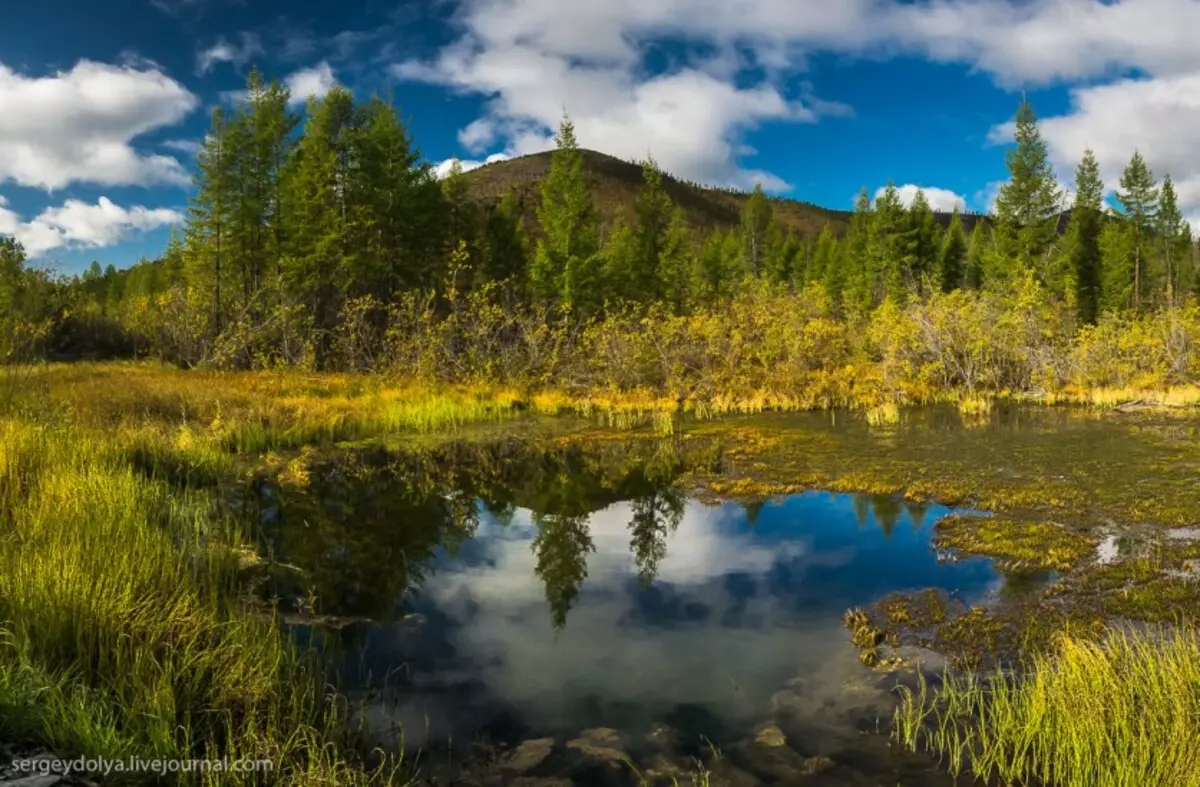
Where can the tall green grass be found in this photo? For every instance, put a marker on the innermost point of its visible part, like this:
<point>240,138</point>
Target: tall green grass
<point>121,631</point>
<point>1123,712</point>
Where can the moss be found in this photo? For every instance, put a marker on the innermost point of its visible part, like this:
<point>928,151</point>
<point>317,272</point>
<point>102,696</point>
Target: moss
<point>1019,544</point>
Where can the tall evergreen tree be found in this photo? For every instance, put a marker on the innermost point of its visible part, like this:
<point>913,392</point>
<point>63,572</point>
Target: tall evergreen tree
<point>653,211</point>
<point>505,244</point>
<point>1027,206</point>
<point>757,218</point>
<point>1138,196</point>
<point>951,266</point>
<point>1175,240</point>
<point>566,268</point>
<point>208,216</point>
<point>676,263</point>
<point>887,275</point>
<point>920,243</point>
<point>973,275</point>
<point>1083,238</point>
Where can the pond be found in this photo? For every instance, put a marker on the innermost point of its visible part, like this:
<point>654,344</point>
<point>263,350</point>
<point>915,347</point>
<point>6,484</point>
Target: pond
<point>575,615</point>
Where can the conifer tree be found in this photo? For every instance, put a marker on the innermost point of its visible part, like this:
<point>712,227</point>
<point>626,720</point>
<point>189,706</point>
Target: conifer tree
<point>208,216</point>
<point>1117,244</point>
<point>973,275</point>
<point>653,211</point>
<point>850,275</point>
<point>1175,240</point>
<point>1138,196</point>
<point>1083,238</point>
<point>566,268</point>
<point>920,243</point>
<point>320,212</point>
<point>889,248</point>
<point>757,217</point>
<point>1027,206</point>
<point>505,244</point>
<point>824,255</point>
<point>952,255</point>
<point>676,263</point>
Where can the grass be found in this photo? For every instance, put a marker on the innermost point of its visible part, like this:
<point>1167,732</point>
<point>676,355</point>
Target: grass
<point>120,629</point>
<point>1119,712</point>
<point>1019,544</point>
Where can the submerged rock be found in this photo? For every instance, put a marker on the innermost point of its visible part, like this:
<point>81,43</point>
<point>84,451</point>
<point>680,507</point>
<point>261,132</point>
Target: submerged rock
<point>663,737</point>
<point>770,735</point>
<point>601,743</point>
<point>527,756</point>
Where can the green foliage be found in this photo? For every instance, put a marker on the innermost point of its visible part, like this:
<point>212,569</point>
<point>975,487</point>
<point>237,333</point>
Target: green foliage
<point>952,257</point>
<point>567,269</point>
<point>1086,261</point>
<point>1028,204</point>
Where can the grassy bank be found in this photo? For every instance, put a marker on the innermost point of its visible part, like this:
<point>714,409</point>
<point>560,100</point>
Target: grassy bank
<point>120,629</point>
<point>123,627</point>
<point>1119,712</point>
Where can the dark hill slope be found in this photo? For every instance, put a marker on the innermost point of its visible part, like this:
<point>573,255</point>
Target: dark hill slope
<point>615,185</point>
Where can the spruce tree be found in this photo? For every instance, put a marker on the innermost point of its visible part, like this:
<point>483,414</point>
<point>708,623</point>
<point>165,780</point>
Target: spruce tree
<point>973,275</point>
<point>1027,206</point>
<point>849,274</point>
<point>1175,240</point>
<point>757,217</point>
<point>566,268</point>
<point>1083,238</point>
<point>951,266</point>
<point>1138,196</point>
<point>676,263</point>
<point>920,243</point>
<point>823,256</point>
<point>505,244</point>
<point>653,211</point>
<point>887,274</point>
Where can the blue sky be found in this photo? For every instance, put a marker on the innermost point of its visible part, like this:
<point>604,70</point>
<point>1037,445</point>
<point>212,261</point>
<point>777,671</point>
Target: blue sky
<point>101,103</point>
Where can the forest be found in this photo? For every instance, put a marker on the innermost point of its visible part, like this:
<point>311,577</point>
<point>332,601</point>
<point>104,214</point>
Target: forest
<point>328,244</point>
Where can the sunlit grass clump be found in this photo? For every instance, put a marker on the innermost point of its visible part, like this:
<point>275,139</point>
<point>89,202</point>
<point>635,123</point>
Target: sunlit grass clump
<point>1121,712</point>
<point>1020,544</point>
<point>121,630</point>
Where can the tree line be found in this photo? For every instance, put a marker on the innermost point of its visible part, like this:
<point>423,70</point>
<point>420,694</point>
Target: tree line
<point>303,231</point>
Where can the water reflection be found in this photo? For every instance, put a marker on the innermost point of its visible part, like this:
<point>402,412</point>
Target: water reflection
<point>578,586</point>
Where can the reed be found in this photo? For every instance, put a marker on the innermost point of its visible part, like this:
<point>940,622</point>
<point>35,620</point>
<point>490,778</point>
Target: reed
<point>1120,712</point>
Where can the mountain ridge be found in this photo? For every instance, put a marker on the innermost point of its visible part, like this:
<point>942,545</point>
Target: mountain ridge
<point>615,185</point>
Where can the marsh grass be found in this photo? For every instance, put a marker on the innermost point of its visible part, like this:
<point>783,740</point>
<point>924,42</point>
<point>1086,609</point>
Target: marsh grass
<point>120,626</point>
<point>1120,712</point>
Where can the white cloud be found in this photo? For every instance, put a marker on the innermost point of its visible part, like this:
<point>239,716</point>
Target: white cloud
<point>224,51</point>
<point>308,83</point>
<point>77,224</point>
<point>1158,116</point>
<point>942,200</point>
<point>191,146</point>
<point>78,125</point>
<point>442,168</point>
<point>533,57</point>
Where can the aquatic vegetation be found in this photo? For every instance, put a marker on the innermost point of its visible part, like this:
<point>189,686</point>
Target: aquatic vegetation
<point>1120,711</point>
<point>883,414</point>
<point>1020,544</point>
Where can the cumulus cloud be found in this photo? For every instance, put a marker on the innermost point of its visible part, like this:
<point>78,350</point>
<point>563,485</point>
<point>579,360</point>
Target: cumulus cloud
<point>225,51</point>
<point>79,125</point>
<point>77,224</point>
<point>942,200</point>
<point>312,82</point>
<point>532,58</point>
<point>442,168</point>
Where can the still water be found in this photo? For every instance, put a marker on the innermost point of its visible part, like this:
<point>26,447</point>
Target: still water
<point>597,601</point>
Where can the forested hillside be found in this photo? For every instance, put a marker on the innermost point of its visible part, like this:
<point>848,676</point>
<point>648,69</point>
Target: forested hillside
<point>326,243</point>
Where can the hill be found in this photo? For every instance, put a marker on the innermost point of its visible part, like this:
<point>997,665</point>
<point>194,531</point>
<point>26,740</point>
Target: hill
<point>616,183</point>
